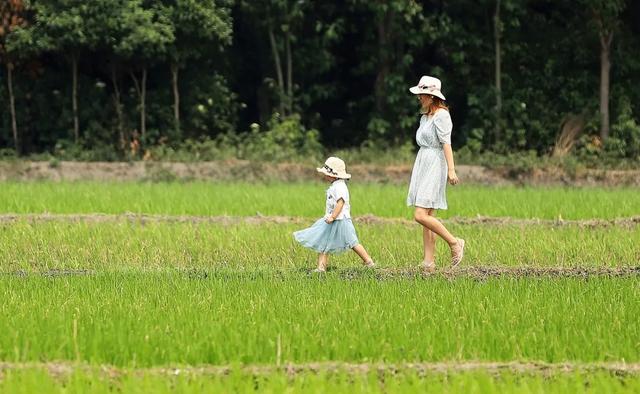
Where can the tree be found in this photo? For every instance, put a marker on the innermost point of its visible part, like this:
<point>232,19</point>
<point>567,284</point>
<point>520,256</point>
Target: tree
<point>398,31</point>
<point>605,16</point>
<point>497,36</point>
<point>11,18</point>
<point>281,21</point>
<point>146,35</point>
<point>197,25</point>
<point>281,18</point>
<point>71,28</point>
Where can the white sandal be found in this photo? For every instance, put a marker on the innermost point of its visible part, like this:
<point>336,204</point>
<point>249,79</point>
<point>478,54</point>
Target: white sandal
<point>456,256</point>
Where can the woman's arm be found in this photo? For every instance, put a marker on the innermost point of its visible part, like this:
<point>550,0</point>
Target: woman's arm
<point>336,211</point>
<point>448,155</point>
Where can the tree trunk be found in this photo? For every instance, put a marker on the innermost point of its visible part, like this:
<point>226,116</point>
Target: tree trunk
<point>384,63</point>
<point>141,89</point>
<point>118,106</point>
<point>276,59</point>
<point>74,98</point>
<point>497,35</point>
<point>176,97</point>
<point>289,72</point>
<point>605,67</point>
<point>12,107</point>
<point>143,102</point>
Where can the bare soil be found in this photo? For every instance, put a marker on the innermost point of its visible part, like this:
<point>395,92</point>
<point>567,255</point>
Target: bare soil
<point>235,170</point>
<point>487,272</point>
<point>62,369</point>
<point>476,272</point>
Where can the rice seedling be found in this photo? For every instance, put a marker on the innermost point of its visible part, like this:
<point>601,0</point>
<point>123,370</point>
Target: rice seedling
<point>307,199</point>
<point>128,294</point>
<point>158,318</point>
<point>122,244</point>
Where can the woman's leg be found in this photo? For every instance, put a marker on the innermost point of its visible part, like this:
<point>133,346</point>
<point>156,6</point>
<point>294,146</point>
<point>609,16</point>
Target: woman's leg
<point>423,217</point>
<point>361,251</point>
<point>429,238</point>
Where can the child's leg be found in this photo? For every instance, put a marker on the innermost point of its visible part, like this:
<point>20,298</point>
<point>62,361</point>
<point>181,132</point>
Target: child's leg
<point>361,251</point>
<point>323,261</point>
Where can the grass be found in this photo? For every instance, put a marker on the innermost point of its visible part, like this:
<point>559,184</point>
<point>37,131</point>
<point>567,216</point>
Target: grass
<point>35,380</point>
<point>152,318</point>
<point>121,244</point>
<point>307,200</point>
<point>132,295</point>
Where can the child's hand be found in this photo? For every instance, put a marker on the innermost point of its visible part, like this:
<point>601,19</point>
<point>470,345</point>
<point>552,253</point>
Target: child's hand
<point>329,220</point>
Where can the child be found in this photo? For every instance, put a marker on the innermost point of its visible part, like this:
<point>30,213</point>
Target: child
<point>334,233</point>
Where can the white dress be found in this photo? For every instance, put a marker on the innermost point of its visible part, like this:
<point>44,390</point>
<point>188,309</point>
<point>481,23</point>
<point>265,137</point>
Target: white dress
<point>429,176</point>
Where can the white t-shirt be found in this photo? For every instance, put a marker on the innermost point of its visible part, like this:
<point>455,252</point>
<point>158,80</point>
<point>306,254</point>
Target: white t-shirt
<point>338,190</point>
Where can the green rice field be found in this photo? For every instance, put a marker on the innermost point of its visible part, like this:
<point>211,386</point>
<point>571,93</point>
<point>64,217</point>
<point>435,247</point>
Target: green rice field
<point>307,200</point>
<point>199,287</point>
<point>126,245</point>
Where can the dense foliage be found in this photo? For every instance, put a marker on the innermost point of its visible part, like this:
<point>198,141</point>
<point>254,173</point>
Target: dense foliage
<point>118,79</point>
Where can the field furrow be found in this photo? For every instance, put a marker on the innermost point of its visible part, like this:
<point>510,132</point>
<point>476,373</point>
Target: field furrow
<point>60,369</point>
<point>365,219</point>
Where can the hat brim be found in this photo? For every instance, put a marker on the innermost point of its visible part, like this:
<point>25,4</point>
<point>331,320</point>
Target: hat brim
<point>418,90</point>
<point>339,176</point>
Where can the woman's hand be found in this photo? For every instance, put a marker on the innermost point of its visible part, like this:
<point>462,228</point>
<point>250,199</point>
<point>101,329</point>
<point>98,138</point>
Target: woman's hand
<point>329,220</point>
<point>453,177</point>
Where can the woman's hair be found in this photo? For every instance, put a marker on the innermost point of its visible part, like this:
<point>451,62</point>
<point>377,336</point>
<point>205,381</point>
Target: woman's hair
<point>436,104</point>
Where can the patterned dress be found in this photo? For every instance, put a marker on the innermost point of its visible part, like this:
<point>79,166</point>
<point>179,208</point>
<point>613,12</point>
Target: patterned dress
<point>429,176</point>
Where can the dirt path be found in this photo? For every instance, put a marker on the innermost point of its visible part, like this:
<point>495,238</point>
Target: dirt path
<point>487,272</point>
<point>365,219</point>
<point>63,369</point>
<point>477,272</point>
<point>235,170</point>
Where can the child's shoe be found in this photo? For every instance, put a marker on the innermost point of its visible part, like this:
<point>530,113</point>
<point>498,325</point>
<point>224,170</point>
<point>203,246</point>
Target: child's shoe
<point>370,264</point>
<point>319,270</point>
<point>428,267</point>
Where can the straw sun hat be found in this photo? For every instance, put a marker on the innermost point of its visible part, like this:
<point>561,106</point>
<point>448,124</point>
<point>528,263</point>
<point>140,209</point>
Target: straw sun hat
<point>334,167</point>
<point>428,85</point>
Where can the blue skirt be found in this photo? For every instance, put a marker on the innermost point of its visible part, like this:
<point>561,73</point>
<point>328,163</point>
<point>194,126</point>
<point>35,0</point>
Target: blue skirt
<point>322,237</point>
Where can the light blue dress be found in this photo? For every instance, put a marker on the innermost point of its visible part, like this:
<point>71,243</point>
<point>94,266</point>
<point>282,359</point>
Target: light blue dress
<point>340,235</point>
<point>429,176</point>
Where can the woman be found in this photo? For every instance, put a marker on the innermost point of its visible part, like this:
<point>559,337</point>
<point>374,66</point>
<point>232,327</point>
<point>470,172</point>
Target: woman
<point>433,167</point>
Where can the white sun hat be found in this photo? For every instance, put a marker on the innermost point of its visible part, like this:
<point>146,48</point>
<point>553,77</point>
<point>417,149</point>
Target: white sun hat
<point>428,85</point>
<point>334,167</point>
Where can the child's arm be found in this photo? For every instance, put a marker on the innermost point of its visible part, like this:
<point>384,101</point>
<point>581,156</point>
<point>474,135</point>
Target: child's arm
<point>336,211</point>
